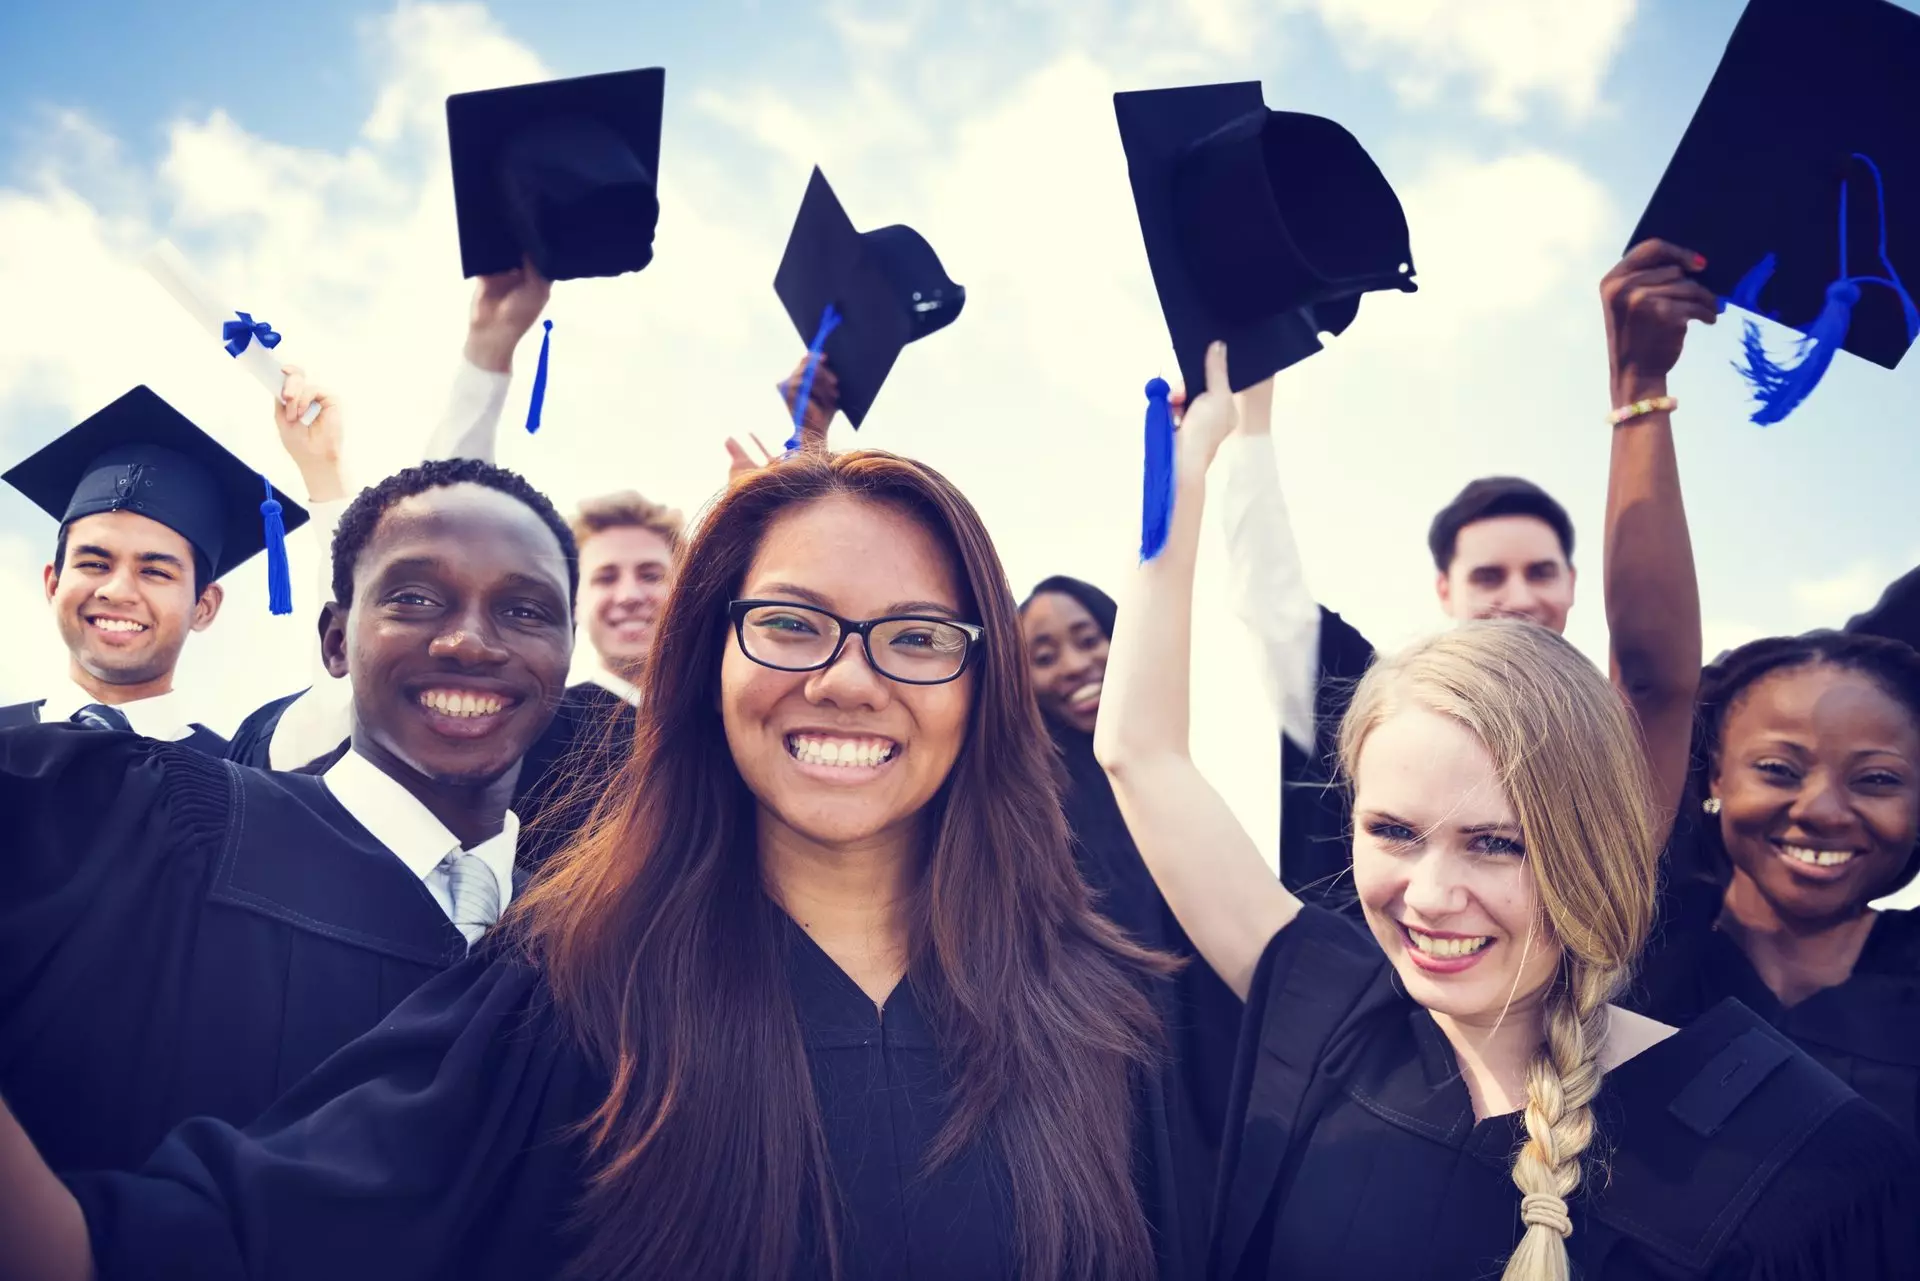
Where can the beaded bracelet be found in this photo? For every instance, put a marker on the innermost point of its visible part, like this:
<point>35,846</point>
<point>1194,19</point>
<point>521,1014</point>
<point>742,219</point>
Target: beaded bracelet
<point>1641,408</point>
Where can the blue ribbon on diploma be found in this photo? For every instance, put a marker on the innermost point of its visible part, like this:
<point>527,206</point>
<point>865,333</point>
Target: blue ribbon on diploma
<point>238,333</point>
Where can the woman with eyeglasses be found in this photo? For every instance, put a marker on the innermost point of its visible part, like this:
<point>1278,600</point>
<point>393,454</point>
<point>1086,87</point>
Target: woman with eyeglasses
<point>820,994</point>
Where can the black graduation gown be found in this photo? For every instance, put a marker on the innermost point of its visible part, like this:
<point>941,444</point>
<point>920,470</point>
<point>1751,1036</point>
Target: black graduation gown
<point>568,768</point>
<point>1866,1031</point>
<point>584,744</point>
<point>1202,1015</point>
<point>457,1114</point>
<point>181,937</point>
<point>200,739</point>
<point>1316,823</point>
<point>1896,615</point>
<point>1727,1152</point>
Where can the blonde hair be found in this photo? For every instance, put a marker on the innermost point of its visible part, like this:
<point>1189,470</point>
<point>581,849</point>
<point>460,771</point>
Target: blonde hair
<point>1572,762</point>
<point>628,510</point>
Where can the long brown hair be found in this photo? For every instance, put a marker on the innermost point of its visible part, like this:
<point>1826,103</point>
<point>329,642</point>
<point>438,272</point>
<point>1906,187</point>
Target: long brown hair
<point>665,958</point>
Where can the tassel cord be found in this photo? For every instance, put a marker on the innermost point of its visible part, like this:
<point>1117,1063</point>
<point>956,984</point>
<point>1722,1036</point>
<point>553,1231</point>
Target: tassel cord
<point>829,321</point>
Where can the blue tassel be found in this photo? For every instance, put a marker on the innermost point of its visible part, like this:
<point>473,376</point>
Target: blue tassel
<point>1746,294</point>
<point>279,574</point>
<point>829,321</point>
<point>538,400</point>
<point>1156,496</point>
<point>1779,386</point>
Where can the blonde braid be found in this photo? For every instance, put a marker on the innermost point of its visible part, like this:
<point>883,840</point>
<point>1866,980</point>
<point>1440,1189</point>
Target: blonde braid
<point>1561,1084</point>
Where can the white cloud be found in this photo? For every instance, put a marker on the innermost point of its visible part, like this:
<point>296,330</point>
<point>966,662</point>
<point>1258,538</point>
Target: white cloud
<point>1508,51</point>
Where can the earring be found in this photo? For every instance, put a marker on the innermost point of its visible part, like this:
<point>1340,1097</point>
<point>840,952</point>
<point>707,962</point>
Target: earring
<point>1711,805</point>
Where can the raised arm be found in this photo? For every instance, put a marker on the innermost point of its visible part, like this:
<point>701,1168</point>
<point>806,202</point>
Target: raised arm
<point>504,309</point>
<point>1652,595</point>
<point>1206,866</point>
<point>1266,583</point>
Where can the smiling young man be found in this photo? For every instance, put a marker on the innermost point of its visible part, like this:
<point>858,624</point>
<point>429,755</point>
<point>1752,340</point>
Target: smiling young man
<point>181,936</point>
<point>152,511</point>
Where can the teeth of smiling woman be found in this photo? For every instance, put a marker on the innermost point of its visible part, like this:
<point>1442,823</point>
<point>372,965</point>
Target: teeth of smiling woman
<point>118,625</point>
<point>1085,696</point>
<point>449,702</point>
<point>1446,949</point>
<point>866,752</point>
<point>1817,858</point>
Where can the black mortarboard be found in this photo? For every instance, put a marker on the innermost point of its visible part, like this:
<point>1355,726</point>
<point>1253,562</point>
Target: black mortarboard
<point>1263,228</point>
<point>142,455</point>
<point>562,172</point>
<point>886,286</point>
<point>1802,93</point>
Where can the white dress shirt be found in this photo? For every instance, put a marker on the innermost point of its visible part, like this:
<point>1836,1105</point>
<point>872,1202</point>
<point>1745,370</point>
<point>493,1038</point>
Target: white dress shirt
<point>408,828</point>
<point>321,719</point>
<point>614,683</point>
<point>163,716</point>
<point>1266,584</point>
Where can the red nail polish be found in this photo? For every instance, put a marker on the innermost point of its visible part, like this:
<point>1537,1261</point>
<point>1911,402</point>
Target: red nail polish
<point>1699,261</point>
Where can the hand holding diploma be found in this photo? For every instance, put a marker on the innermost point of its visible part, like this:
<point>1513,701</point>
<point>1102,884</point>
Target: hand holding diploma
<point>247,338</point>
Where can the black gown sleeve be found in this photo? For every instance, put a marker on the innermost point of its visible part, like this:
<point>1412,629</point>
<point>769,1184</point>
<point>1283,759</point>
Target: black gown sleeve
<point>1846,1205</point>
<point>253,741</point>
<point>106,836</point>
<point>1897,614</point>
<point>1316,848</point>
<point>437,1145</point>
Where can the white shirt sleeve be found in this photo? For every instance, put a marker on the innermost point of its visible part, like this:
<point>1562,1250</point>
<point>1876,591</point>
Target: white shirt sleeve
<point>320,719</point>
<point>1266,583</point>
<point>472,418</point>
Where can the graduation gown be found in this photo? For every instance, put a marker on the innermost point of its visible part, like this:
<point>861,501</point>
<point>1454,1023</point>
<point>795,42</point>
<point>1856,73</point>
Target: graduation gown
<point>1896,615</point>
<point>1202,1015</point>
<point>460,1109</point>
<point>569,767</point>
<point>201,739</point>
<point>1866,1031</point>
<point>181,937</point>
<point>582,747</point>
<point>1316,823</point>
<point>1355,1152</point>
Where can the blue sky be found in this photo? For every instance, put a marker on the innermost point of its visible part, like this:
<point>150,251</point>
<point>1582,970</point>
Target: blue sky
<point>296,152</point>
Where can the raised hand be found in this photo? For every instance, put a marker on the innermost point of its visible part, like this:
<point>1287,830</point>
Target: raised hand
<point>823,401</point>
<point>315,448</point>
<point>1208,419</point>
<point>505,305</point>
<point>740,462</point>
<point>1649,297</point>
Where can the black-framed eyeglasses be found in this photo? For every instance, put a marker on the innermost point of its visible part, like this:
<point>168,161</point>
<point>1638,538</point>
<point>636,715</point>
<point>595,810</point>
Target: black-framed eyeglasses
<point>913,649</point>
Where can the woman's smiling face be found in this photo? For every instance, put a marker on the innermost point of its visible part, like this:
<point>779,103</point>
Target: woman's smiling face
<point>1440,865</point>
<point>844,756</point>
<point>1818,778</point>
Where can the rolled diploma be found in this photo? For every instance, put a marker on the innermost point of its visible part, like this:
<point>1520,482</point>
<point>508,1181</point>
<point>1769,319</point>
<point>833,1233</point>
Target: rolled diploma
<point>166,265</point>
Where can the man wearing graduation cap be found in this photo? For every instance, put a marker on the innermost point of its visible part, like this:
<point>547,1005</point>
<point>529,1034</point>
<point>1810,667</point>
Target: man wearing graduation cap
<point>152,513</point>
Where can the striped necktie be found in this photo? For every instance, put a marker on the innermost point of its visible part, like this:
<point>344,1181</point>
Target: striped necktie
<point>475,892</point>
<point>101,716</point>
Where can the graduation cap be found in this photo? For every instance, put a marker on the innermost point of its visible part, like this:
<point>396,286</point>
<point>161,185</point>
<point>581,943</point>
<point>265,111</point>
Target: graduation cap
<point>1262,228</point>
<point>1798,179</point>
<point>859,296</point>
<point>561,172</point>
<point>142,455</point>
